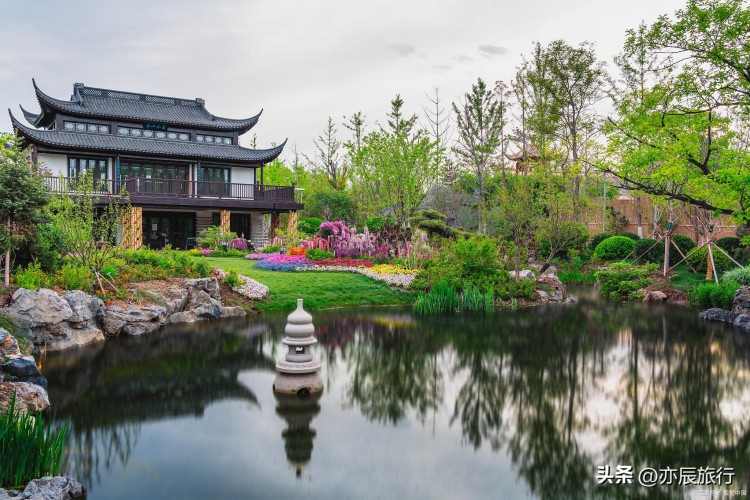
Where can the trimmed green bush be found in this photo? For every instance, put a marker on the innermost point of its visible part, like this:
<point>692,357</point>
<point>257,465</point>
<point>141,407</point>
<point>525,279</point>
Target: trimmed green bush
<point>623,281</point>
<point>708,295</point>
<point>310,225</point>
<point>317,254</point>
<point>613,248</point>
<point>739,275</point>
<point>699,261</point>
<point>632,236</point>
<point>598,238</point>
<point>649,250</point>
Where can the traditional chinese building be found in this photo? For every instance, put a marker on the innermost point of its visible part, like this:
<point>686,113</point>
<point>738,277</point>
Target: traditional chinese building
<point>524,159</point>
<point>182,166</point>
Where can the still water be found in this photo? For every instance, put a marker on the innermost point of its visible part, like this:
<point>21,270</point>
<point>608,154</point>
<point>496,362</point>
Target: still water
<point>518,404</point>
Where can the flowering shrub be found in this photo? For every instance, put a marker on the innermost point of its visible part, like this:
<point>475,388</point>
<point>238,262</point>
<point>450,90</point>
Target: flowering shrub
<point>238,244</point>
<point>336,228</point>
<point>248,287</point>
<point>207,251</point>
<point>260,256</point>
<point>315,242</point>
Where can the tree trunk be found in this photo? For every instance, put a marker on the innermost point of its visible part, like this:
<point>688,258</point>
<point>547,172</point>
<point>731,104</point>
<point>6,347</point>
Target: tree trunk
<point>639,215</point>
<point>546,265</point>
<point>518,261</point>
<point>7,258</point>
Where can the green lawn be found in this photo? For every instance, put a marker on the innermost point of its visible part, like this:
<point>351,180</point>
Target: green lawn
<point>685,279</point>
<point>319,289</point>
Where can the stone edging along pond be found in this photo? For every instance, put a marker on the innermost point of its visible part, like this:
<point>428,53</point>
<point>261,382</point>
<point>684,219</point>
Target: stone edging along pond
<point>52,321</point>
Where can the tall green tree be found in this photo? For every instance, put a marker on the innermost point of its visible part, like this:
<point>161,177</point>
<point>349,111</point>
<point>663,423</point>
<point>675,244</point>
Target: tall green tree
<point>327,158</point>
<point>396,166</point>
<point>479,121</point>
<point>683,137</point>
<point>23,197</point>
<point>560,85</point>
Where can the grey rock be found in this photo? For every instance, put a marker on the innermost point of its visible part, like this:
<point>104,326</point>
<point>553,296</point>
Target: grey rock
<point>742,322</point>
<point>204,306</point>
<point>183,317</point>
<point>717,314</point>
<point>34,309</point>
<point>525,275</point>
<point>550,271</point>
<point>177,304</point>
<point>741,303</point>
<point>232,312</point>
<point>50,321</point>
<point>654,296</point>
<point>40,380</point>
<point>52,488</point>
<point>84,307</point>
<point>556,289</point>
<point>208,285</point>
<point>134,320</point>
<point>20,368</point>
<point>30,398</point>
<point>8,344</point>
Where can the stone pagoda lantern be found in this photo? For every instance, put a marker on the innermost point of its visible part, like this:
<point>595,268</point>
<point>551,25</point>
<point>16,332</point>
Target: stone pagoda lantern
<point>299,371</point>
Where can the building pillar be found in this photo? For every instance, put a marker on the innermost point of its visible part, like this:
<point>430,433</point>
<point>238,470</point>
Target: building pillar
<point>275,224</point>
<point>224,220</point>
<point>291,225</point>
<point>132,227</point>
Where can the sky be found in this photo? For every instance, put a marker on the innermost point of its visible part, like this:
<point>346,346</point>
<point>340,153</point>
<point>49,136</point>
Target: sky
<point>299,61</point>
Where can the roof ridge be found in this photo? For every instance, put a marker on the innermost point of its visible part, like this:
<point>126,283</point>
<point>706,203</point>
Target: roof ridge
<point>125,95</point>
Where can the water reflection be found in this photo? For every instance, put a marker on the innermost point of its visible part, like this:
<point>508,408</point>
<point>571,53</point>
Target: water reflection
<point>298,413</point>
<point>557,390</point>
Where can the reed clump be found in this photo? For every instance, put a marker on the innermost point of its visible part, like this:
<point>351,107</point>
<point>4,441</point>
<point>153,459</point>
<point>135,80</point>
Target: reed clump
<point>445,298</point>
<point>29,448</point>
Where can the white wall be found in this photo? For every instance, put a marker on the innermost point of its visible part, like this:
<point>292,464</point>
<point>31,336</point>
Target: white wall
<point>58,164</point>
<point>242,175</point>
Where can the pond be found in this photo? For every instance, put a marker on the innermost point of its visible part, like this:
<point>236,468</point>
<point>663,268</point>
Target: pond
<point>517,404</point>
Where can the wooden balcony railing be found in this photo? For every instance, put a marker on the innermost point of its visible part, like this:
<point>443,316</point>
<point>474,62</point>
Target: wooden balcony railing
<point>178,188</point>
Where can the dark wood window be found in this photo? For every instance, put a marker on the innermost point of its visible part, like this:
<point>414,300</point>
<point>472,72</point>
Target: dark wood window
<point>167,179</point>
<point>215,181</point>
<point>79,166</point>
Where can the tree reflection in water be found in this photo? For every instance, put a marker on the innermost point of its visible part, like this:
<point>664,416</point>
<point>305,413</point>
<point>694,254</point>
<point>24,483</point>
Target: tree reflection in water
<point>560,390</point>
<point>109,391</point>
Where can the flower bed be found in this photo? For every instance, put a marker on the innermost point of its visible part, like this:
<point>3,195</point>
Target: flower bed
<point>260,256</point>
<point>251,289</point>
<point>343,261</point>
<point>387,273</point>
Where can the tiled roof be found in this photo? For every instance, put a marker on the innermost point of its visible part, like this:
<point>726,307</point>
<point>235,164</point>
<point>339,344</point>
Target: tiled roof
<point>115,104</point>
<point>117,144</point>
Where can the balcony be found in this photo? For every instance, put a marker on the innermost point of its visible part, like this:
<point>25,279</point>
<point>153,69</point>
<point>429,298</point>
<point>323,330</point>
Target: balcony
<point>184,193</point>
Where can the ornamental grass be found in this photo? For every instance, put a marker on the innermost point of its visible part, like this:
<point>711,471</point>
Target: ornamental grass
<point>29,449</point>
